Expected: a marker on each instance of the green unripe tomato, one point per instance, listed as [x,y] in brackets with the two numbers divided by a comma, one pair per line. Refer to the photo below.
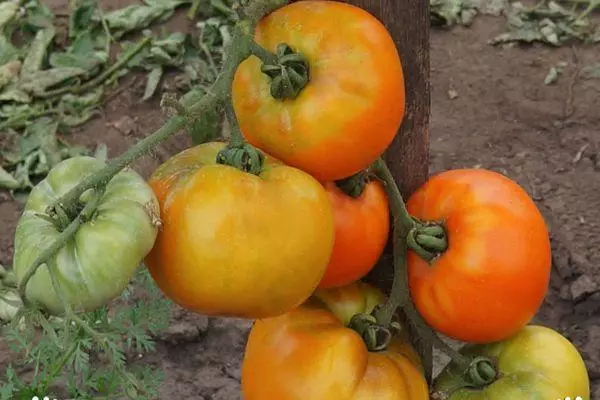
[537,363]
[98,262]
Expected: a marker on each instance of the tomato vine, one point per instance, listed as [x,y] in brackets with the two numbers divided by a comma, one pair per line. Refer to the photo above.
[289,73]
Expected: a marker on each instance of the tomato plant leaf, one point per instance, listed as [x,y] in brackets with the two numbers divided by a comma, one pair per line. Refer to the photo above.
[39,82]
[152,83]
[9,72]
[37,51]
[550,23]
[8,10]
[8,52]
[7,181]
[82,17]
[137,17]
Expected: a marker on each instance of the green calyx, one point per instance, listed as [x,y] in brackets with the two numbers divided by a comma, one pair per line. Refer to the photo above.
[427,240]
[354,185]
[244,157]
[375,336]
[289,73]
[481,372]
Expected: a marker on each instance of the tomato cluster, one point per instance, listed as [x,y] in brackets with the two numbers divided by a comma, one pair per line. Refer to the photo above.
[288,243]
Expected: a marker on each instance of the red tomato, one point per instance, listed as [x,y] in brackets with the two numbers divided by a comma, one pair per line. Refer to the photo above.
[494,275]
[361,232]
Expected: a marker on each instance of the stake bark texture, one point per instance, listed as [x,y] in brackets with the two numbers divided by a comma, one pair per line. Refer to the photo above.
[408,22]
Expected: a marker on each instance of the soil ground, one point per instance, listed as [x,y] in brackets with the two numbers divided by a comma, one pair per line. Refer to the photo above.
[489,108]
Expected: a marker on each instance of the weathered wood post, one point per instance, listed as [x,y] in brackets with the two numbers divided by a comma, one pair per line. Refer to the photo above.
[408,156]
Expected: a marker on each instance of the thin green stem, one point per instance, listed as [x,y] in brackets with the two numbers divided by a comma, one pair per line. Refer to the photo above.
[237,139]
[24,119]
[400,293]
[191,14]
[60,241]
[593,4]
[103,76]
[265,55]
[60,365]
[398,206]
[69,201]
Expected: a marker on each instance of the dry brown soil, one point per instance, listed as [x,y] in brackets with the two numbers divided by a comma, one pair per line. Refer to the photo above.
[503,118]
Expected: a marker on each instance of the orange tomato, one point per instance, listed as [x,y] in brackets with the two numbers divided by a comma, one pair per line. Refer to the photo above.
[309,353]
[361,232]
[353,105]
[494,275]
[237,244]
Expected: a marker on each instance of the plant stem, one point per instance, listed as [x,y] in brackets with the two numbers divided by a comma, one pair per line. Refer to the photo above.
[69,201]
[103,76]
[193,9]
[593,4]
[237,50]
[400,294]
[265,55]
[237,138]
[60,365]
[60,241]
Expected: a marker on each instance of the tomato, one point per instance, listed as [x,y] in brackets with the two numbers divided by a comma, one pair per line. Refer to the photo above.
[96,265]
[237,244]
[494,275]
[361,232]
[310,353]
[351,108]
[536,363]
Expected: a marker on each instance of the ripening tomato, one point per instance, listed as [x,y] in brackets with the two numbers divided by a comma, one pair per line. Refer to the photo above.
[310,353]
[536,363]
[494,275]
[96,265]
[361,232]
[351,108]
[237,244]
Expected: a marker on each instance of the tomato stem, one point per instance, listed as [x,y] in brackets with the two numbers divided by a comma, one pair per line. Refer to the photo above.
[405,229]
[375,336]
[60,241]
[238,49]
[354,185]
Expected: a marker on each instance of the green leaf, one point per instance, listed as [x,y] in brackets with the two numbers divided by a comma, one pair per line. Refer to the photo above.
[549,23]
[452,12]
[37,51]
[40,81]
[134,17]
[38,16]
[152,82]
[554,73]
[7,51]
[13,93]
[8,10]
[82,18]
[88,62]
[9,72]
[7,181]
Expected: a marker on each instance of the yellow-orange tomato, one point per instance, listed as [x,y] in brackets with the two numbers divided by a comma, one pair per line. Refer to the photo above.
[237,244]
[351,108]
[494,275]
[310,353]
[361,231]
